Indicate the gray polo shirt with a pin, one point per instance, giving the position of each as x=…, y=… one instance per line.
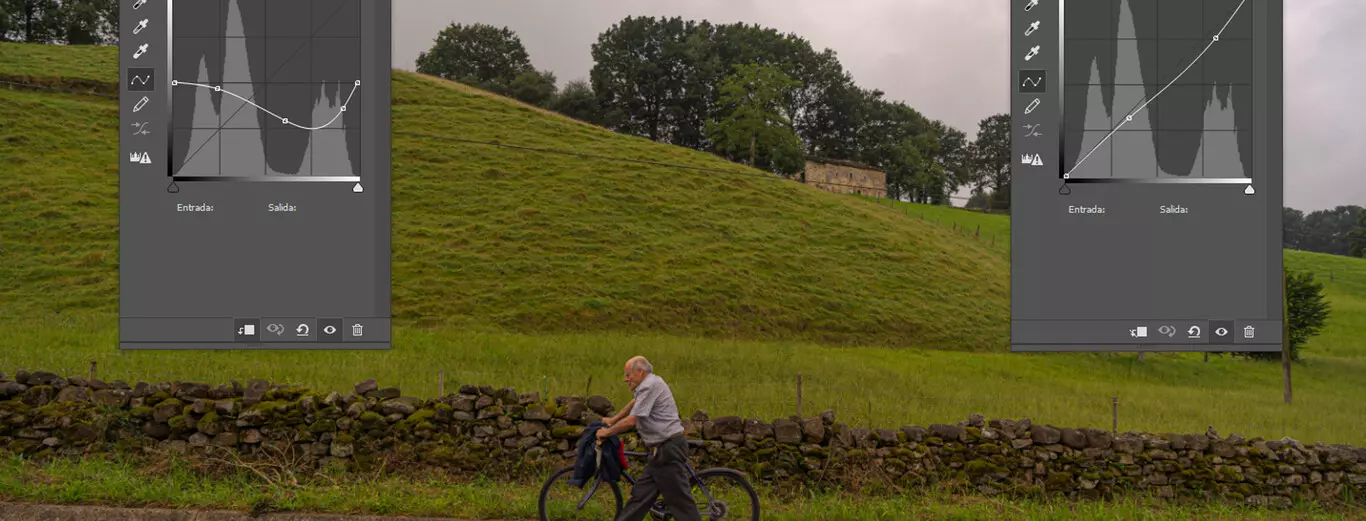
x=656, y=414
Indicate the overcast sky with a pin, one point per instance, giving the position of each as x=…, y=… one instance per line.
x=949, y=60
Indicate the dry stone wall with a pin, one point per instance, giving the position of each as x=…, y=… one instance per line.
x=486, y=429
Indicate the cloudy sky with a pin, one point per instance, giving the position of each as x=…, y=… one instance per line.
x=949, y=59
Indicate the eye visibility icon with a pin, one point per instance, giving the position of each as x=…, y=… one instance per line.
x=1167, y=330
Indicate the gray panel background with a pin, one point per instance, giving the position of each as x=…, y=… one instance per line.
x=1221, y=261
x=330, y=258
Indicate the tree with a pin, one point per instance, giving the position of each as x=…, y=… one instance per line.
x=1306, y=313
x=1325, y=231
x=977, y=201
x=33, y=21
x=534, y=87
x=641, y=71
x=577, y=101
x=991, y=160
x=1292, y=224
x=479, y=55
x=1356, y=239
x=752, y=119
x=89, y=22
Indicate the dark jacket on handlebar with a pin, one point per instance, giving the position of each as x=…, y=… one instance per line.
x=586, y=464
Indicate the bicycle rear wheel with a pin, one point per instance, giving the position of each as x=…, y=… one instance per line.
x=732, y=497
x=561, y=501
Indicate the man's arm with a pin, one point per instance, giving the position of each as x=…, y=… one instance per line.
x=621, y=414
x=619, y=427
x=645, y=399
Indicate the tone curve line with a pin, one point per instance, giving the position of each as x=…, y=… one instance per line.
x=282, y=119
x=1148, y=101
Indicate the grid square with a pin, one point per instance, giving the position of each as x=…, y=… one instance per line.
x=286, y=18
x=1218, y=12
x=199, y=18
x=338, y=63
x=292, y=101
x=289, y=61
x=1180, y=19
x=237, y=113
x=200, y=148
x=1136, y=21
x=1183, y=107
x=1225, y=153
x=245, y=18
x=336, y=18
x=1227, y=61
x=1078, y=144
x=1088, y=61
x=331, y=152
x=290, y=152
x=1180, y=153
x=244, y=153
x=1081, y=19
x=1135, y=154
x=1173, y=56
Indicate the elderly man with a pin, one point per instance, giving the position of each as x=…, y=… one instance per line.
x=655, y=416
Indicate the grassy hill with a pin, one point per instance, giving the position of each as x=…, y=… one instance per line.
x=507, y=239
x=546, y=271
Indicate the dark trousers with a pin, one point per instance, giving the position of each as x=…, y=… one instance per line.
x=666, y=474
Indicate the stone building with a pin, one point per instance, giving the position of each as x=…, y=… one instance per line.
x=845, y=177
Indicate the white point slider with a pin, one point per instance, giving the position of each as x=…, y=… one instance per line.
x=357, y=189
x=1249, y=190
x=357, y=83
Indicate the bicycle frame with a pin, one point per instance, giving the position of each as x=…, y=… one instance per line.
x=597, y=481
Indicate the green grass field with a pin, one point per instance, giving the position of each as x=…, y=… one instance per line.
x=178, y=485
x=546, y=271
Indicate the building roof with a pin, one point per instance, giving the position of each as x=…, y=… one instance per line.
x=842, y=162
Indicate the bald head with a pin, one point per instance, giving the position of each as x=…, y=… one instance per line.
x=637, y=368
x=639, y=363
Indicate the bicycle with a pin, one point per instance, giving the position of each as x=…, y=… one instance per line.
x=715, y=490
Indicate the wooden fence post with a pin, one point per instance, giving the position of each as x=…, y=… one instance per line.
x=92, y=370
x=440, y=384
x=799, y=394
x=1114, y=415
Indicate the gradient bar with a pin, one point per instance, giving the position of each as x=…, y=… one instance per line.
x=267, y=179
x=1164, y=180
x=1062, y=87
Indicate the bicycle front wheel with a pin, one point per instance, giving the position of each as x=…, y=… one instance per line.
x=595, y=501
x=725, y=494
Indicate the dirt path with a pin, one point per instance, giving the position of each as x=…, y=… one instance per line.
x=23, y=512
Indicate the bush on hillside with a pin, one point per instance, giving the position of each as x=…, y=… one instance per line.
x=1307, y=312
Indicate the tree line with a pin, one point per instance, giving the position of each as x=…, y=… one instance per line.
x=1336, y=231
x=745, y=92
x=75, y=22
